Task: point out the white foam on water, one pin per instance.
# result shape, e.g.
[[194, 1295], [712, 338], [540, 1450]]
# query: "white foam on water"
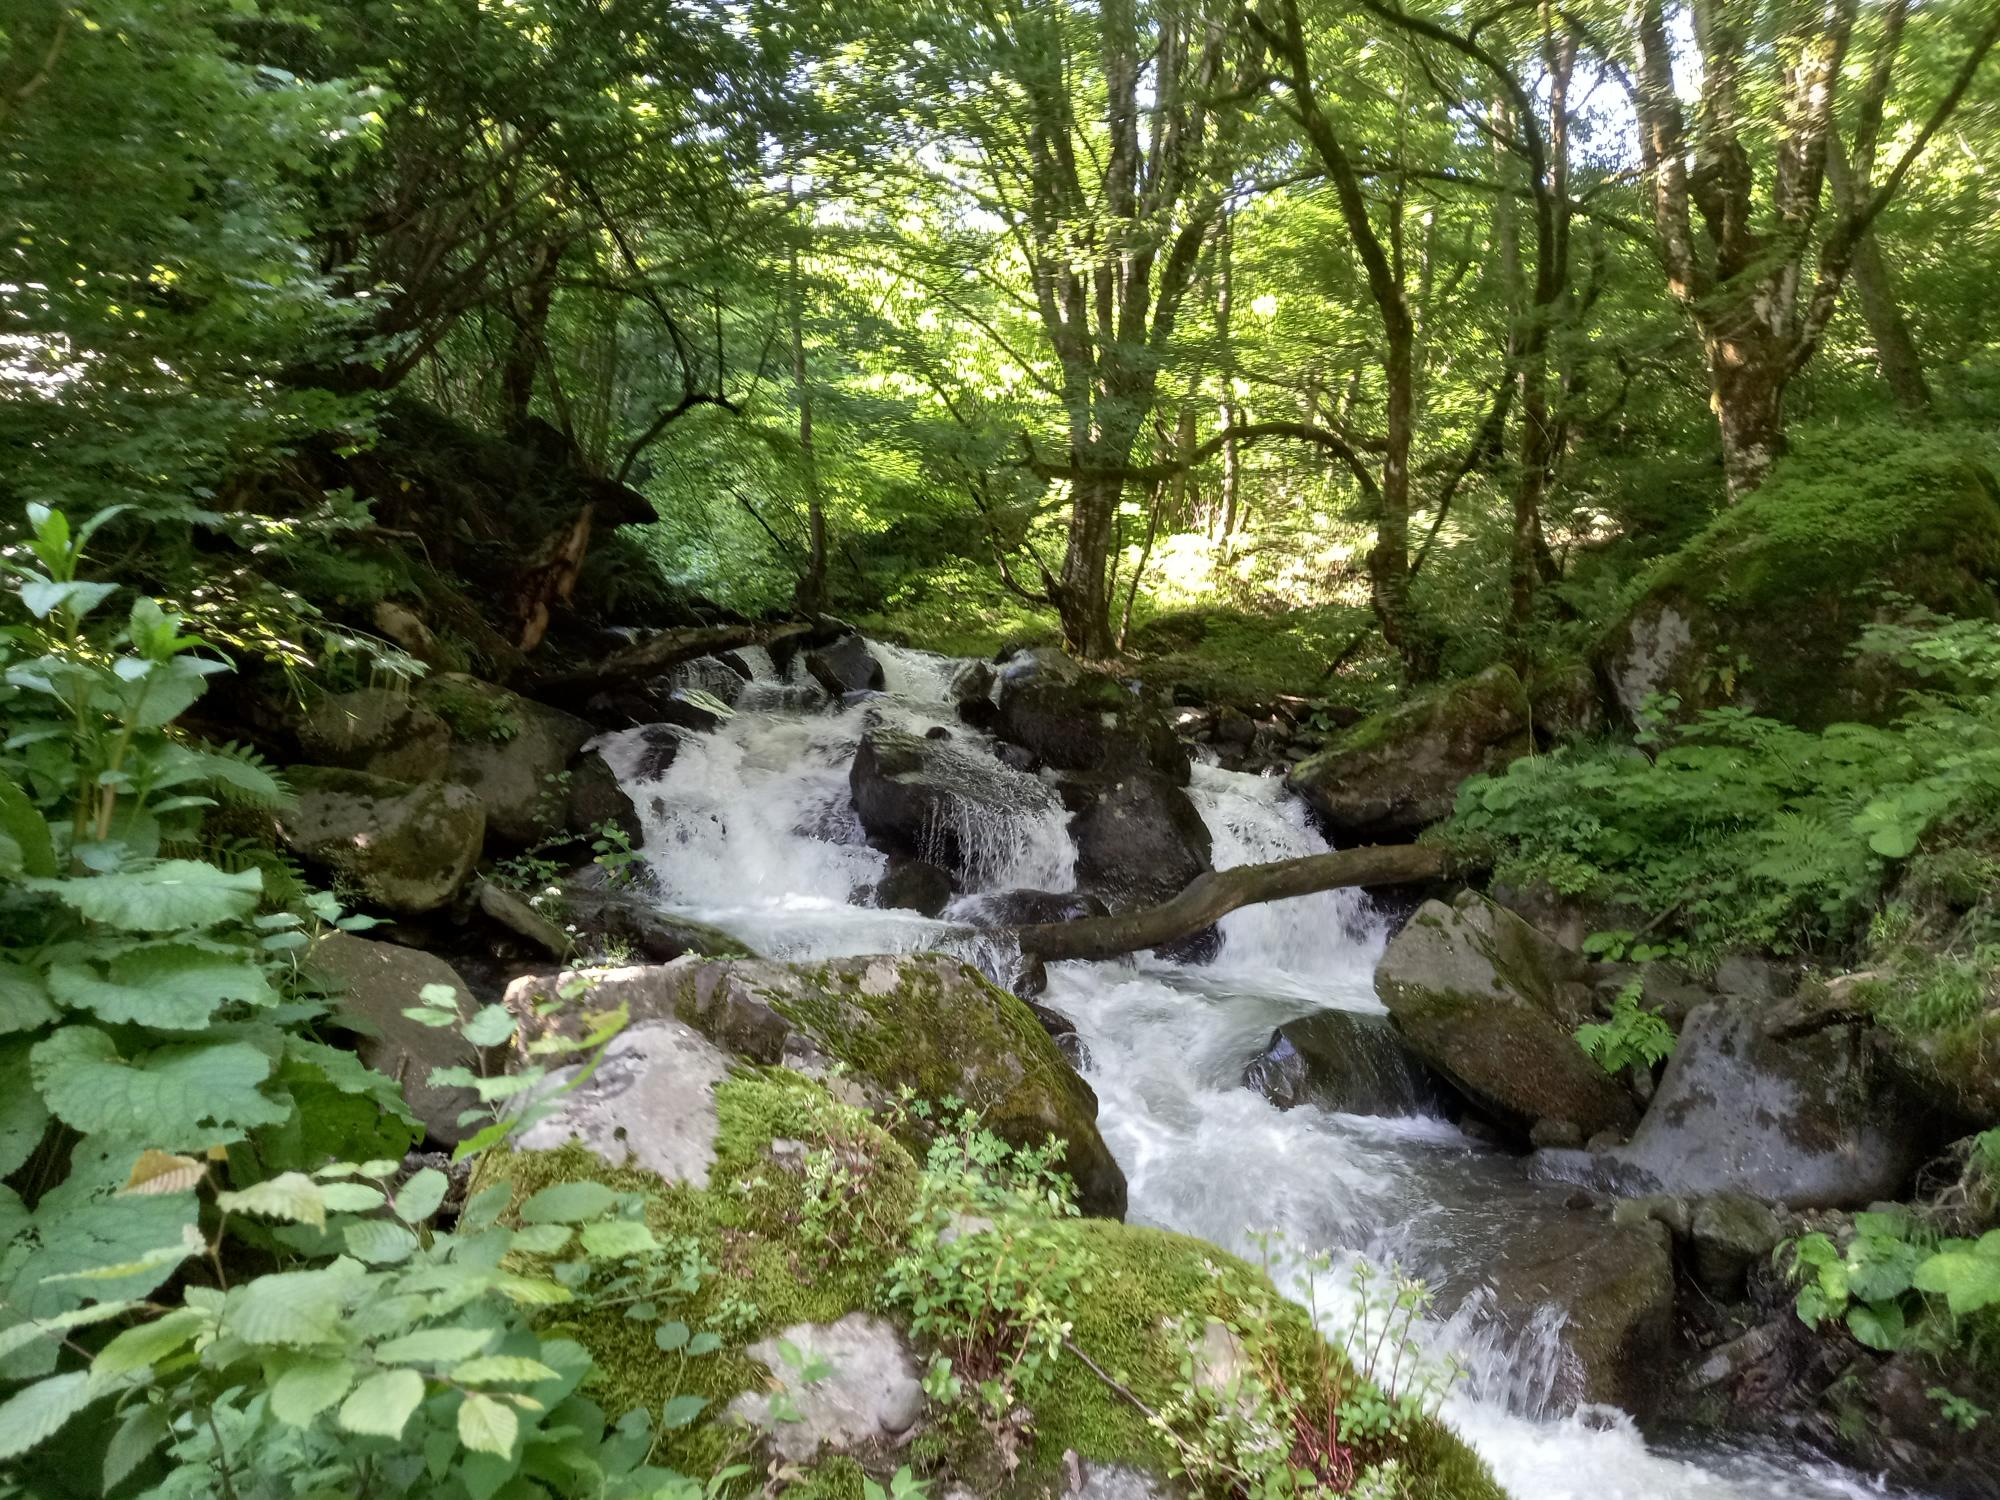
[[751, 828]]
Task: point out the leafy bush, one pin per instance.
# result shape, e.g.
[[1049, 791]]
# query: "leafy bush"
[[1739, 831]]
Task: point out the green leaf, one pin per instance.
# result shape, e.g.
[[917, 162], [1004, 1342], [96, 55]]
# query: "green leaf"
[[53, 1327], [490, 1027], [618, 1237], [37, 1413], [143, 1430], [1879, 1325], [178, 1097], [23, 823], [308, 1388], [42, 596], [174, 895], [421, 1196], [670, 1336], [435, 1346], [24, 1119], [486, 1425], [289, 1195], [380, 1243], [682, 1410], [568, 1203], [24, 999], [704, 1343], [503, 1369], [170, 986], [149, 1343], [294, 1309], [382, 1404], [1967, 1279], [351, 1197], [542, 1239]]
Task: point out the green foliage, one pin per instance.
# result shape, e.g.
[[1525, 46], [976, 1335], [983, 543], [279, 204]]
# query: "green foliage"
[[1633, 1037], [1897, 1283], [1744, 832]]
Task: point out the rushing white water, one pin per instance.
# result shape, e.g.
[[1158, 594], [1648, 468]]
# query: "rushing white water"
[[751, 828]]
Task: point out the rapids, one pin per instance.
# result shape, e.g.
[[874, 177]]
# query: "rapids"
[[751, 829]]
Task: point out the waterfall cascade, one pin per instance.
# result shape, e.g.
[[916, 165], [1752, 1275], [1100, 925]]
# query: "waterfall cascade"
[[751, 828]]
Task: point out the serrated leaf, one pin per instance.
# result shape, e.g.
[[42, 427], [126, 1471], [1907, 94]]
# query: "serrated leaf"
[[289, 1195], [157, 1172], [309, 1388], [542, 1239], [435, 1346], [351, 1197], [618, 1237], [168, 986], [421, 1196], [174, 895], [145, 1263], [382, 1404], [670, 1336], [502, 1369], [35, 1414], [490, 1027], [487, 1426], [532, 1291], [380, 1243], [681, 1411], [53, 1327], [143, 1430], [568, 1202], [186, 1095], [149, 1343], [294, 1309]]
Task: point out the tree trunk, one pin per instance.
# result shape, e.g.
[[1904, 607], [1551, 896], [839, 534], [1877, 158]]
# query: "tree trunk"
[[1896, 353], [1214, 895], [528, 307], [1747, 374], [1083, 599], [810, 595]]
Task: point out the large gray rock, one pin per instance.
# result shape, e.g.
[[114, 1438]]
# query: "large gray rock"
[[1809, 1122], [869, 1398], [406, 848], [1399, 771], [1139, 838], [1493, 1005], [383, 731], [921, 1021], [596, 798], [511, 751], [846, 666], [1344, 1061], [374, 984], [1087, 721], [649, 1100], [942, 801]]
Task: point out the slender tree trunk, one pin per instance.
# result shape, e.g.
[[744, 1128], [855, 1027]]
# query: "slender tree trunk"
[[810, 595], [528, 308], [1896, 353]]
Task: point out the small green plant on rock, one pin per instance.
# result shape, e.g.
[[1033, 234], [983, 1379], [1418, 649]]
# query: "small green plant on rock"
[[1633, 1037]]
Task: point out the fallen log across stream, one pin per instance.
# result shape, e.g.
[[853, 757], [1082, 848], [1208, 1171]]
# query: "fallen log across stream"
[[1210, 897], [656, 653]]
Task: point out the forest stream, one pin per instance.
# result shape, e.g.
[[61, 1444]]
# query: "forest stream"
[[751, 828]]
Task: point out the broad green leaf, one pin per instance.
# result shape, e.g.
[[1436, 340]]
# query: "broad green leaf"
[[1879, 1325], [490, 1027], [22, 822], [486, 1425], [190, 1243], [289, 1195], [618, 1237], [25, 1333], [309, 1388], [184, 1096], [1967, 1279], [567, 1203], [501, 1369], [421, 1196], [24, 999], [435, 1346], [149, 1343], [671, 1336], [43, 596], [542, 1239], [351, 1197], [379, 1242], [168, 986], [35, 1414], [143, 1430], [381, 1405], [24, 1119], [682, 1410], [294, 1309], [173, 895]]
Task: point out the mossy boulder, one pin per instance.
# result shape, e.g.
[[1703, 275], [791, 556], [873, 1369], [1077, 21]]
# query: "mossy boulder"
[[1398, 771], [788, 1262], [1493, 1005], [383, 731], [511, 751], [1762, 608], [923, 1022], [405, 848]]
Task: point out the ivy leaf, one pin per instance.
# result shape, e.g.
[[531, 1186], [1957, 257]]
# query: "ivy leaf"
[[174, 895], [199, 1094], [309, 1388], [381, 1405], [486, 1425], [567, 1203], [289, 1195], [34, 1415], [169, 986]]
